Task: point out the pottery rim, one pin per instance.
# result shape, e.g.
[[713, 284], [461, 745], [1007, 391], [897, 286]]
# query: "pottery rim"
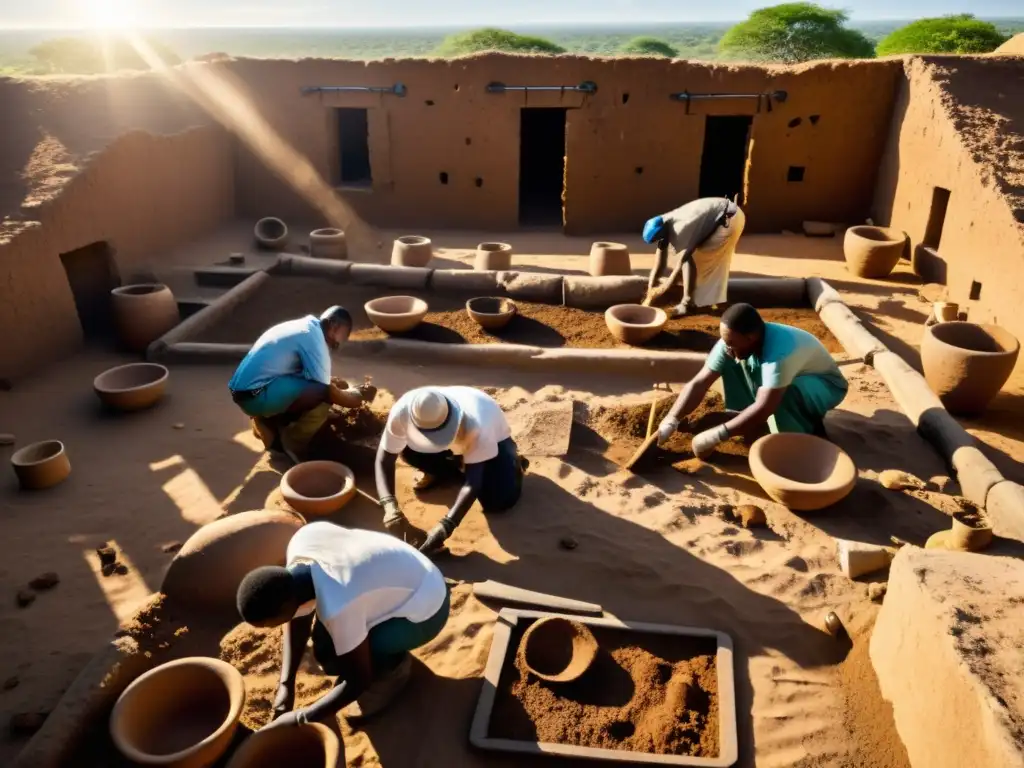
[[415, 305], [505, 306], [19, 457], [999, 336], [494, 247], [327, 232], [659, 317], [136, 290], [119, 390], [878, 234], [413, 240], [347, 485]]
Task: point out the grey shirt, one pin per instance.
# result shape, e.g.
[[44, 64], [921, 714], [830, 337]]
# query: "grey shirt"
[[691, 224]]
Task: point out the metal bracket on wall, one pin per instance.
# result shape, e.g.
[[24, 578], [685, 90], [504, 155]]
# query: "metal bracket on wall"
[[768, 97], [587, 86], [398, 89]]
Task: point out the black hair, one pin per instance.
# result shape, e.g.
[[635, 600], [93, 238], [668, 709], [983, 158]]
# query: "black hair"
[[264, 594], [744, 319], [335, 316]]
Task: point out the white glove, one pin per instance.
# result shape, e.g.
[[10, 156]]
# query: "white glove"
[[706, 441], [666, 429]]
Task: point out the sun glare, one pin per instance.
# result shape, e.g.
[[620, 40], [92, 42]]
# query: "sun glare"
[[109, 14]]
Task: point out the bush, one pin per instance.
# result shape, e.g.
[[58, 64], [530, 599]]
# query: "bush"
[[87, 56], [491, 39], [795, 32], [648, 46], [947, 34]]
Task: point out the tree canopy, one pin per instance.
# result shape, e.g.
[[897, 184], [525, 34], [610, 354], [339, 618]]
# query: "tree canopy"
[[961, 33], [89, 56], [648, 46], [794, 32], [491, 39]]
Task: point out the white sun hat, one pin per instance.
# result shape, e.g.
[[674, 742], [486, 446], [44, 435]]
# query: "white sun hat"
[[435, 418]]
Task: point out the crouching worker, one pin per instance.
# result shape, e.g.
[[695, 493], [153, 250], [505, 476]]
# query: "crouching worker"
[[366, 598], [774, 375], [449, 433]]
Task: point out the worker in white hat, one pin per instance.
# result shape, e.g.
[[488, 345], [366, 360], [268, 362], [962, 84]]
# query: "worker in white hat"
[[448, 433]]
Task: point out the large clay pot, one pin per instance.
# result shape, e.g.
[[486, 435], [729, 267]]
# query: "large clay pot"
[[494, 257], [967, 364], [558, 650], [396, 314], [143, 313], [328, 243], [315, 488], [205, 573], [609, 259], [131, 387], [634, 323], [873, 251], [41, 465], [491, 312], [183, 713], [412, 251], [271, 233], [802, 472], [305, 746]]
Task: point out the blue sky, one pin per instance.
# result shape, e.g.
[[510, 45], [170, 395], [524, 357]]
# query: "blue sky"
[[360, 13]]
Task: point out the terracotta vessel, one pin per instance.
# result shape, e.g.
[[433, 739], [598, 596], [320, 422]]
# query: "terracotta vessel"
[[305, 746], [183, 713], [634, 323], [412, 251], [493, 257], [492, 312], [967, 534], [318, 487], [328, 243], [802, 472], [945, 311], [557, 649], [967, 364], [41, 465], [131, 387], [396, 314], [271, 233], [143, 313], [609, 259], [873, 251]]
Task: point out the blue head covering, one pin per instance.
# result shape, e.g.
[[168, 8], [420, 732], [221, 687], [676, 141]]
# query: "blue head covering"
[[653, 228]]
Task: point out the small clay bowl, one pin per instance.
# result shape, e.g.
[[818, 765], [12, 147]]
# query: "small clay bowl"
[[634, 324], [396, 314], [318, 487], [41, 465], [967, 534], [802, 472], [271, 232], [557, 649], [131, 387], [305, 746], [492, 313]]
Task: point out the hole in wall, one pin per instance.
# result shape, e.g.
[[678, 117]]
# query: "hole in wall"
[[468, 141], [723, 159], [975, 294], [795, 122], [92, 274], [429, 102], [814, 119], [456, 86], [795, 173], [625, 98], [478, 181], [639, 170], [936, 217], [443, 176], [541, 165], [353, 147]]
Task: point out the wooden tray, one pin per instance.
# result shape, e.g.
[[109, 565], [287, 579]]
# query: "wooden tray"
[[500, 648]]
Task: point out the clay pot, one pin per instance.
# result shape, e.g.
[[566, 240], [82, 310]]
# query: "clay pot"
[[318, 487], [873, 251], [634, 323], [493, 257], [967, 534], [967, 364], [131, 387], [143, 313], [271, 233], [557, 649], [328, 243], [41, 465], [305, 746], [396, 314], [492, 312], [945, 311], [412, 251], [183, 713], [802, 472], [609, 259]]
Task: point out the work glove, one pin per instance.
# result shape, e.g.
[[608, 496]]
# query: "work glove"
[[704, 443], [393, 517], [437, 536], [666, 429]]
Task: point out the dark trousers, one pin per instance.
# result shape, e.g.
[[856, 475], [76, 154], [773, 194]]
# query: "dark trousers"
[[503, 475]]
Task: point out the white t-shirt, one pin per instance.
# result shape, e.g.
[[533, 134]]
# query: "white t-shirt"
[[362, 579], [483, 426]]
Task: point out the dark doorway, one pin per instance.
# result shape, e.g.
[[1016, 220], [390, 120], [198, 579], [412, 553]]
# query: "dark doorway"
[[541, 165], [936, 217], [353, 148], [724, 159], [92, 275]]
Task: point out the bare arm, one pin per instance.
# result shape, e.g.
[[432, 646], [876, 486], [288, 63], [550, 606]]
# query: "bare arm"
[[753, 418], [660, 260], [355, 678], [296, 634], [654, 294], [384, 473], [693, 393]]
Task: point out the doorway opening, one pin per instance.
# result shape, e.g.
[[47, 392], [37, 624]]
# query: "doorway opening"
[[541, 165], [723, 161], [92, 275], [353, 147], [936, 217]]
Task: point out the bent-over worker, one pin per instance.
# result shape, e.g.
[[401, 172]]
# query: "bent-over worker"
[[772, 374], [366, 598], [704, 234], [447, 433]]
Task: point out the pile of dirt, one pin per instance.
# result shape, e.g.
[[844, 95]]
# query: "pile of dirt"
[[155, 627], [358, 423]]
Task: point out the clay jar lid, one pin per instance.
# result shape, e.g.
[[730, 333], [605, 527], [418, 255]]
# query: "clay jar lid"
[[318, 487], [557, 649], [803, 472]]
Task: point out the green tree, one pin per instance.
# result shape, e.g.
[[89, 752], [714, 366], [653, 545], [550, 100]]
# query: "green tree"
[[88, 56], [648, 46], [490, 39], [947, 34], [794, 32]]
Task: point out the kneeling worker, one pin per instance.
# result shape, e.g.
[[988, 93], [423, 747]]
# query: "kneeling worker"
[[366, 599], [772, 374], [448, 433]]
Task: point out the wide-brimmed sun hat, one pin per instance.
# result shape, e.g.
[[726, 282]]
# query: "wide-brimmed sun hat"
[[434, 418]]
